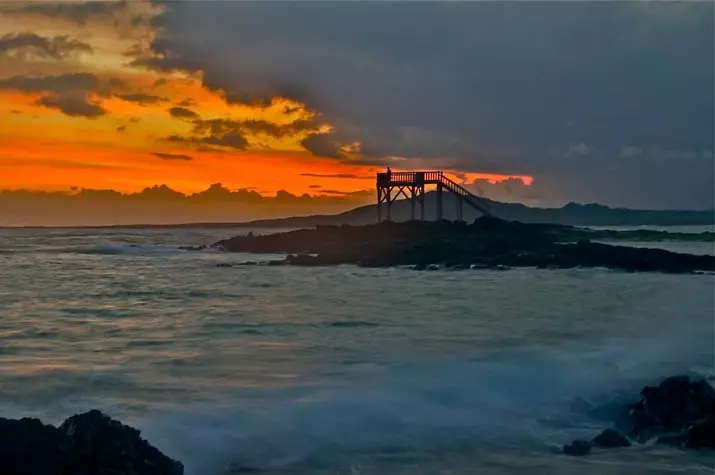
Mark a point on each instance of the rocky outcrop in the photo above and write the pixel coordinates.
(672, 409)
(86, 444)
(488, 243)
(29, 447)
(680, 411)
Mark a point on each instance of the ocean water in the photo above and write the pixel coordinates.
(339, 370)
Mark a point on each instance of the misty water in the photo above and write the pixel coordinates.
(339, 370)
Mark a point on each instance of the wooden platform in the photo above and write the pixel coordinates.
(411, 185)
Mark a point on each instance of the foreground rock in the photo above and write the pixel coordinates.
(680, 411)
(85, 444)
(487, 243)
(673, 408)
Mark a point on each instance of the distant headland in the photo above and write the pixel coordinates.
(572, 214)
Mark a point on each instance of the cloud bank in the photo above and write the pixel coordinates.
(555, 90)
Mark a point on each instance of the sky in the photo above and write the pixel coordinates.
(294, 106)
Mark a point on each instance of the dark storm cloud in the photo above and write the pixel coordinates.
(72, 94)
(503, 87)
(231, 140)
(172, 156)
(323, 145)
(183, 113)
(76, 12)
(142, 99)
(54, 84)
(251, 126)
(56, 47)
(216, 135)
(73, 104)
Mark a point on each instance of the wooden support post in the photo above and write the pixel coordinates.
(413, 197)
(379, 203)
(421, 191)
(389, 203)
(439, 201)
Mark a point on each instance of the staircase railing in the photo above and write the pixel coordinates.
(480, 204)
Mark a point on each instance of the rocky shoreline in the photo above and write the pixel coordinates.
(486, 243)
(679, 412)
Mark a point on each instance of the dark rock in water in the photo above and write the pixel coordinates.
(578, 448)
(680, 411)
(224, 264)
(673, 406)
(101, 445)
(28, 447)
(701, 435)
(609, 439)
(488, 242)
(85, 444)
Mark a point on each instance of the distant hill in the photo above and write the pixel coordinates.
(572, 213)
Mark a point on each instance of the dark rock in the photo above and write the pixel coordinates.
(578, 448)
(488, 242)
(224, 264)
(101, 445)
(609, 439)
(701, 435)
(28, 447)
(673, 406)
(85, 444)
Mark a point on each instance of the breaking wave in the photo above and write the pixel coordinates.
(502, 403)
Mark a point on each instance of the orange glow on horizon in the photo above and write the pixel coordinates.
(125, 132)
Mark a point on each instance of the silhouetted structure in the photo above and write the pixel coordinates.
(411, 185)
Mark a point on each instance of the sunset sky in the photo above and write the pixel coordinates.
(545, 103)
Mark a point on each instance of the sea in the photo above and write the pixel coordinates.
(341, 370)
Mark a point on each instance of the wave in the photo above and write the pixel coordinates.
(105, 249)
(352, 323)
(509, 403)
(111, 249)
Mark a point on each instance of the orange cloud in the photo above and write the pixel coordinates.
(97, 120)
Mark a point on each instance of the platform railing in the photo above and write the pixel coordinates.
(421, 178)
